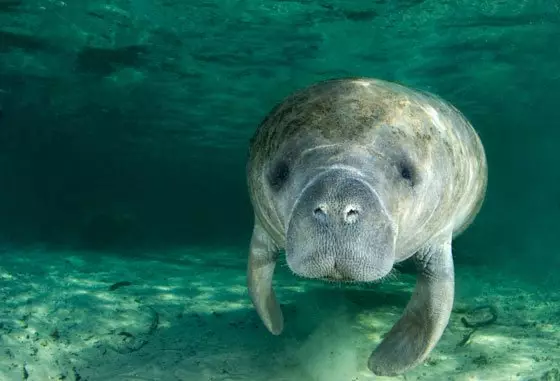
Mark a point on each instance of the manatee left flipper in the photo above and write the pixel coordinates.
(418, 330)
(262, 261)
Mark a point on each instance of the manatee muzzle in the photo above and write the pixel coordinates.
(339, 229)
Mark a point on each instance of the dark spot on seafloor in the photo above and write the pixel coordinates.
(488, 317)
(77, 376)
(55, 334)
(118, 285)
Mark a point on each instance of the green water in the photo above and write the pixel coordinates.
(124, 131)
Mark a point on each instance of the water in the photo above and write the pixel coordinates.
(124, 129)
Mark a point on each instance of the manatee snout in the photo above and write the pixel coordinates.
(340, 230)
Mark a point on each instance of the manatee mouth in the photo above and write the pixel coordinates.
(337, 278)
(334, 275)
(340, 231)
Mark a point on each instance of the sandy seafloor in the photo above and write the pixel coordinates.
(189, 318)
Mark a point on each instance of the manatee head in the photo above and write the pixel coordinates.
(341, 169)
(338, 204)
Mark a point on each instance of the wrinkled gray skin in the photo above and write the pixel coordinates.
(351, 176)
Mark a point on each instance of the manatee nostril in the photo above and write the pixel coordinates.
(351, 214)
(320, 213)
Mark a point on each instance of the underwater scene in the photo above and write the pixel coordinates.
(279, 190)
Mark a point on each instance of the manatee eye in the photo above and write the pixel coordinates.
(408, 172)
(279, 174)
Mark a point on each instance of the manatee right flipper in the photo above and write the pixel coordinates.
(262, 260)
(417, 332)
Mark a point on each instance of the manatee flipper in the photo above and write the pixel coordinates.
(262, 260)
(417, 332)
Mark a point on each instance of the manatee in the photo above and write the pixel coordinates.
(351, 176)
